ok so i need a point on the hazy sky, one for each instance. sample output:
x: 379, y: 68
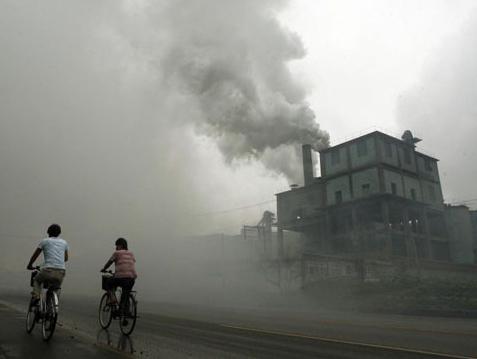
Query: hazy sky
x: 115, y: 117
x: 365, y: 60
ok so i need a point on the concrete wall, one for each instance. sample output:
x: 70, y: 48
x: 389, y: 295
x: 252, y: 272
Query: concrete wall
x: 338, y: 184
x: 388, y: 158
x: 322, y: 267
x: 330, y: 167
x: 412, y: 183
x: 402, y: 158
x: 370, y: 177
x: 422, y: 187
x: 391, y: 177
x: 461, y: 236
x: 430, y: 171
x: 358, y: 160
x: 473, y: 219
x: 301, y: 202
x: 428, y: 188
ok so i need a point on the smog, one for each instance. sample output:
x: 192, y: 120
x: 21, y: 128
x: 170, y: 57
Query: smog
x: 230, y: 143
x: 117, y: 120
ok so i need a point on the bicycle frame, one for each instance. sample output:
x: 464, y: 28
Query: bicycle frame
x: 126, y: 312
x: 45, y: 311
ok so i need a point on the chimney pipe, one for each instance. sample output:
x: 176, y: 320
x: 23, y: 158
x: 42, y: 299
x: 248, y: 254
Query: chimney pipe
x: 308, y: 167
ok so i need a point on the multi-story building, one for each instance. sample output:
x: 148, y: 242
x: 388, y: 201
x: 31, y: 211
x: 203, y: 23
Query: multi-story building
x: 377, y: 196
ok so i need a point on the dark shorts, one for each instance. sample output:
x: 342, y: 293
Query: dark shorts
x: 125, y: 283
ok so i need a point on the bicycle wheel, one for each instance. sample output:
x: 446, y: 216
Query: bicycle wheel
x: 127, y: 320
x: 105, y: 312
x: 48, y: 324
x: 31, y: 316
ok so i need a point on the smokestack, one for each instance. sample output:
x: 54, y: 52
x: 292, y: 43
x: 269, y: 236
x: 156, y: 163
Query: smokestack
x: 308, y: 167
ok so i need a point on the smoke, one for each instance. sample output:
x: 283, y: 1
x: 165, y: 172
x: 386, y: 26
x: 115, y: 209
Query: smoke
x: 231, y: 58
x: 99, y: 103
x: 104, y: 108
x: 442, y: 109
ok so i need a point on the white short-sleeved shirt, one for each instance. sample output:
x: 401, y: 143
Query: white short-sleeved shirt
x: 53, y: 252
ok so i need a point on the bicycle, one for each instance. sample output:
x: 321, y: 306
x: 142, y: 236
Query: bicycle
x: 44, y: 310
x: 126, y: 312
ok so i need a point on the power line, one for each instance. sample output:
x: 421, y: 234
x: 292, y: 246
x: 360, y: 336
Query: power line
x: 233, y: 209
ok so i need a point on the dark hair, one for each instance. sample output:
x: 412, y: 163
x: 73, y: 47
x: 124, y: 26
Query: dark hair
x: 122, y: 242
x: 54, y: 230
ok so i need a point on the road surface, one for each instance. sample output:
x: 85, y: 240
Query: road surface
x: 186, y: 331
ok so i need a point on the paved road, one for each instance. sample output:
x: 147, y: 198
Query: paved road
x: 16, y: 343
x: 175, y: 331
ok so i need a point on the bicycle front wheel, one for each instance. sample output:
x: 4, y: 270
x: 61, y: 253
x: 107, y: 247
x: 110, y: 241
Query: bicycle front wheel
x: 105, y: 312
x: 48, y: 324
x: 31, y: 316
x: 127, y: 321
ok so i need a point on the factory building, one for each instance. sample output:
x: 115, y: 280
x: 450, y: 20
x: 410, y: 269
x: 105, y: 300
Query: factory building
x: 377, y: 197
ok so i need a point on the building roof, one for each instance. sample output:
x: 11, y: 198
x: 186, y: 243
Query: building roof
x: 371, y: 134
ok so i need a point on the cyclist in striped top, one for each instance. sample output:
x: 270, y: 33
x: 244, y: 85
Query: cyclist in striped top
x: 125, y: 271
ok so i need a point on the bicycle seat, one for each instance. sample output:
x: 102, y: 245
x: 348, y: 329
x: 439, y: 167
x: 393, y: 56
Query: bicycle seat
x: 51, y: 284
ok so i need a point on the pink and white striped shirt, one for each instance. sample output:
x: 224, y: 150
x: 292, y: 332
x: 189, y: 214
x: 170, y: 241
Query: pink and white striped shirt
x: 124, y: 264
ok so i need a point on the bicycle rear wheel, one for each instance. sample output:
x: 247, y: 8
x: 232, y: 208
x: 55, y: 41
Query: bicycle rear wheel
x: 31, y: 316
x: 105, y: 314
x: 48, y: 324
x: 127, y: 320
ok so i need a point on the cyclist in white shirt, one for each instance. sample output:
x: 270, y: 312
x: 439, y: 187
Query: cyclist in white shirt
x: 55, y: 254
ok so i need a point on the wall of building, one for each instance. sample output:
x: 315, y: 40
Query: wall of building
x: 411, y: 183
x: 390, y: 178
x: 461, y: 236
x: 432, y: 193
x: 403, y: 158
x: 361, y: 158
x: 334, y: 161
x: 301, y: 202
x: 367, y: 177
x: 388, y: 150
x: 427, y: 168
x: 320, y: 267
x: 338, y: 184
x: 473, y: 219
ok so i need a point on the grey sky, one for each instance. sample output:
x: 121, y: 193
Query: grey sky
x: 395, y: 65
x: 97, y: 136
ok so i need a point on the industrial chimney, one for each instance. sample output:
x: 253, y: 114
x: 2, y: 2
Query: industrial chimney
x: 308, y: 166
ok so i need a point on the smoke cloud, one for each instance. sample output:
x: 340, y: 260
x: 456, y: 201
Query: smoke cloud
x: 442, y: 109
x: 115, y: 118
x: 231, y: 58
x: 102, y: 105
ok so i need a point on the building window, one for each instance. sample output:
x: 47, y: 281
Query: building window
x: 362, y: 148
x: 413, y: 194
x: 428, y: 164
x: 365, y: 188
x: 388, y: 149
x: 393, y: 188
x: 338, y: 197
x: 335, y: 157
x: 407, y: 156
x: 432, y: 193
